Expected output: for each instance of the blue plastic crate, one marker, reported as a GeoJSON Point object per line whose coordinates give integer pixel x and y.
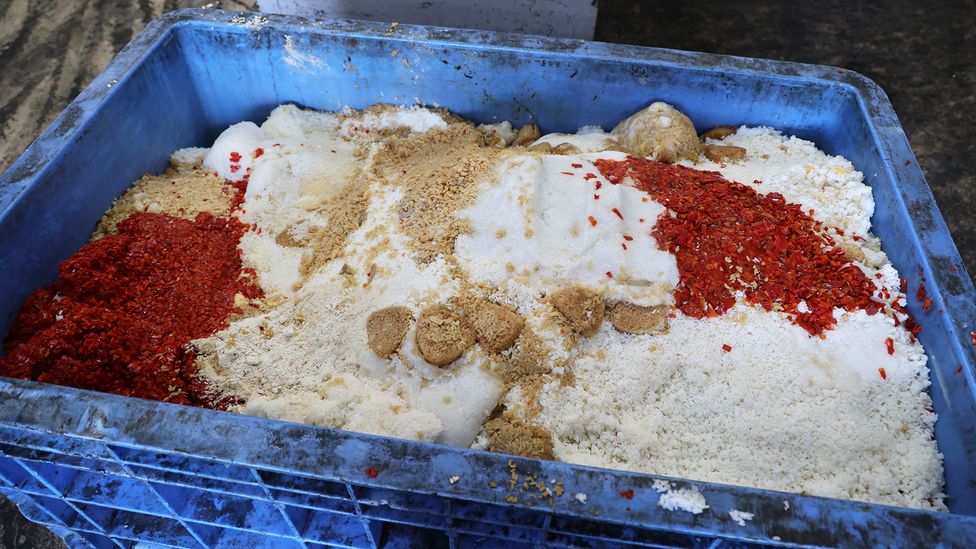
{"type": "Point", "coordinates": [108, 471]}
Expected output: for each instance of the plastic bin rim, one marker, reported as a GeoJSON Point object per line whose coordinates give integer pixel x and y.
{"type": "Point", "coordinates": [73, 119]}
{"type": "Point", "coordinates": [158, 426]}
{"type": "Point", "coordinates": [418, 467]}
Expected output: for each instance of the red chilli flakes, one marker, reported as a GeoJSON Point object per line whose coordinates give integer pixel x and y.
{"type": "Point", "coordinates": [726, 237]}
{"type": "Point", "coordinates": [126, 306]}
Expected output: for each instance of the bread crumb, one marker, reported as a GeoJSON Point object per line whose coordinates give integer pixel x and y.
{"type": "Point", "coordinates": [852, 250]}
{"type": "Point", "coordinates": [439, 172]}
{"type": "Point", "coordinates": [182, 193]}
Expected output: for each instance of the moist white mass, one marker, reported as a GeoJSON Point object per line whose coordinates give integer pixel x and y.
{"type": "Point", "coordinates": [588, 139]}
{"type": "Point", "coordinates": [557, 225]}
{"type": "Point", "coordinates": [416, 119]}
{"type": "Point", "coordinates": [295, 161]}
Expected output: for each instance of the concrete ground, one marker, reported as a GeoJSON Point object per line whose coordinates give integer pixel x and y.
{"type": "Point", "coordinates": [919, 52]}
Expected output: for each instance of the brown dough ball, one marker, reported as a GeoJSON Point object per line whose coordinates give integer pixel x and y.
{"type": "Point", "coordinates": [526, 135]}
{"type": "Point", "coordinates": [443, 335]}
{"type": "Point", "coordinates": [496, 327]}
{"type": "Point", "coordinates": [636, 319]}
{"type": "Point", "coordinates": [660, 132]}
{"type": "Point", "coordinates": [582, 308]}
{"type": "Point", "coordinates": [508, 434]}
{"type": "Point", "coordinates": [718, 132]}
{"type": "Point", "coordinates": [718, 153]}
{"type": "Point", "coordinates": [566, 148]}
{"type": "Point", "coordinates": [385, 329]}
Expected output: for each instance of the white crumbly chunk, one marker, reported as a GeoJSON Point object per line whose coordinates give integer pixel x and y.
{"type": "Point", "coordinates": [802, 173]}
{"type": "Point", "coordinates": [539, 220]}
{"type": "Point", "coordinates": [580, 497]}
{"type": "Point", "coordinates": [417, 119]}
{"type": "Point", "coordinates": [589, 139]}
{"type": "Point", "coordinates": [740, 516]}
{"type": "Point", "coordinates": [503, 130]}
{"type": "Point", "coordinates": [189, 157]}
{"type": "Point", "coordinates": [689, 500]}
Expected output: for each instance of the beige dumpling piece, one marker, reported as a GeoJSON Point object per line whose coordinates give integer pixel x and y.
{"type": "Point", "coordinates": [443, 335]}
{"type": "Point", "coordinates": [660, 132]}
{"type": "Point", "coordinates": [582, 308]}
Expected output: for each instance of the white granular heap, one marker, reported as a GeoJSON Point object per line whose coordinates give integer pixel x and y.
{"type": "Point", "coordinates": [294, 160]}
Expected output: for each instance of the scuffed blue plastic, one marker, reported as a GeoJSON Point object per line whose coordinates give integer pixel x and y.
{"type": "Point", "coordinates": [108, 471]}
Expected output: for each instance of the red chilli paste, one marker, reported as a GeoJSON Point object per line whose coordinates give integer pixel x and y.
{"type": "Point", "coordinates": [727, 237]}
{"type": "Point", "coordinates": [126, 306]}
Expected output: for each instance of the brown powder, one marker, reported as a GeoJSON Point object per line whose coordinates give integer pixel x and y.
{"type": "Point", "coordinates": [495, 326]}
{"type": "Point", "coordinates": [722, 153]}
{"type": "Point", "coordinates": [181, 193]}
{"type": "Point", "coordinates": [439, 172]}
{"type": "Point", "coordinates": [346, 211]}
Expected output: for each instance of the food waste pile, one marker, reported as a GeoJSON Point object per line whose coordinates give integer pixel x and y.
{"type": "Point", "coordinates": [710, 306]}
